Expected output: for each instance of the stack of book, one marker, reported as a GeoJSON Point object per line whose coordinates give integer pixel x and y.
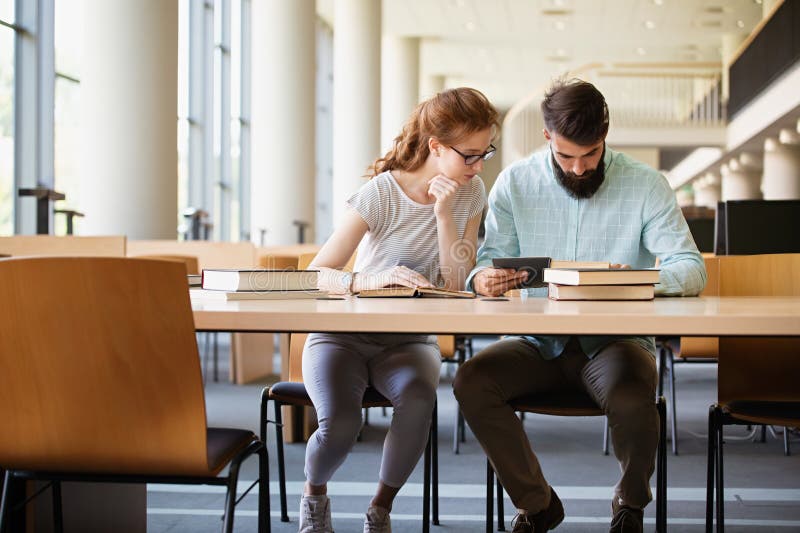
{"type": "Point", "coordinates": [601, 283]}
{"type": "Point", "coordinates": [258, 284]}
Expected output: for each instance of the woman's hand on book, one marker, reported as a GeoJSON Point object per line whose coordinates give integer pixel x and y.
{"type": "Point", "coordinates": [399, 275]}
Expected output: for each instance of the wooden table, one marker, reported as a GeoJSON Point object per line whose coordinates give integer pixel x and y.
{"type": "Point", "coordinates": [710, 315]}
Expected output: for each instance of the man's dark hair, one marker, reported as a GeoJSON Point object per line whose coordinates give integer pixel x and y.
{"type": "Point", "coordinates": [576, 110]}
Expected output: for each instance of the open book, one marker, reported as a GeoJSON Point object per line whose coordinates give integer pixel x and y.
{"type": "Point", "coordinates": [413, 292]}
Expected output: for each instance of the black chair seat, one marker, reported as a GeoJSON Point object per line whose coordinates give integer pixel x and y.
{"type": "Point", "coordinates": [561, 404]}
{"type": "Point", "coordinates": [296, 394]}
{"type": "Point", "coordinates": [785, 414]}
{"type": "Point", "coordinates": [224, 444]}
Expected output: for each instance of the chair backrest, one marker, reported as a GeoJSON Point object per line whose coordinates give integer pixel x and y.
{"type": "Point", "coordinates": [757, 368]}
{"type": "Point", "coordinates": [190, 261]}
{"type": "Point", "coordinates": [209, 254]}
{"type": "Point", "coordinates": [51, 245]}
{"type": "Point", "coordinates": [100, 367]}
{"type": "Point", "coordinates": [704, 347]}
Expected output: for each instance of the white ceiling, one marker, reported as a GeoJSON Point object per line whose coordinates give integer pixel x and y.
{"type": "Point", "coordinates": [510, 48]}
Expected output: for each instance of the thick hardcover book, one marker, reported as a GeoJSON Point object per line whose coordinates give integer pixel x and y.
{"type": "Point", "coordinates": [204, 294]}
{"type": "Point", "coordinates": [259, 280]}
{"type": "Point", "coordinates": [600, 292]}
{"type": "Point", "coordinates": [413, 292]}
{"type": "Point", "coordinates": [195, 280]}
{"type": "Point", "coordinates": [601, 276]}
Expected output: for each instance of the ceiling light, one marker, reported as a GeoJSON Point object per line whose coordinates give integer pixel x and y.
{"type": "Point", "coordinates": [470, 26]}
{"type": "Point", "coordinates": [649, 24]}
{"type": "Point", "coordinates": [740, 23]}
{"type": "Point", "coordinates": [658, 2]}
{"type": "Point", "coordinates": [641, 51]}
{"type": "Point", "coordinates": [560, 25]}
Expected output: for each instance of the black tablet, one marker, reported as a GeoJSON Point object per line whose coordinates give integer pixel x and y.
{"type": "Point", "coordinates": [534, 266]}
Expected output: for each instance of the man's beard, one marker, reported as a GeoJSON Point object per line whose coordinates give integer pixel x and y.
{"type": "Point", "coordinates": [583, 186]}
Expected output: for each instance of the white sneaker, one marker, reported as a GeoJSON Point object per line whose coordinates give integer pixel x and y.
{"type": "Point", "coordinates": [315, 514]}
{"type": "Point", "coordinates": [377, 521]}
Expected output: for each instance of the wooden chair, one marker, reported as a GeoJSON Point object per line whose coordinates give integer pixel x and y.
{"type": "Point", "coordinates": [757, 380]}
{"type": "Point", "coordinates": [101, 381]}
{"type": "Point", "coordinates": [580, 404]}
{"type": "Point", "coordinates": [190, 261]}
{"type": "Point", "coordinates": [672, 350]}
{"type": "Point", "coordinates": [294, 393]}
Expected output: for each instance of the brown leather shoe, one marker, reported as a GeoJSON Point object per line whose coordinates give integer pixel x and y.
{"type": "Point", "coordinates": [626, 519]}
{"type": "Point", "coordinates": [541, 521]}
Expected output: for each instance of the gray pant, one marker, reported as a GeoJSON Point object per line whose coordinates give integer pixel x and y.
{"type": "Point", "coordinates": [621, 378]}
{"type": "Point", "coordinates": [337, 369]}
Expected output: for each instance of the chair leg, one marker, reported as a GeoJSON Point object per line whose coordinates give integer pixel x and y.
{"type": "Point", "coordinates": [720, 482]}
{"type": "Point", "coordinates": [58, 514]}
{"type": "Point", "coordinates": [281, 465]}
{"type": "Point", "coordinates": [501, 519]}
{"type": "Point", "coordinates": [710, 468]}
{"type": "Point", "coordinates": [426, 488]}
{"type": "Point", "coordinates": [489, 497]}
{"type": "Point", "coordinates": [264, 522]}
{"type": "Point", "coordinates": [605, 435]}
{"type": "Point", "coordinates": [661, 468]}
{"type": "Point", "coordinates": [230, 496]}
{"type": "Point", "coordinates": [786, 450]}
{"type": "Point", "coordinates": [4, 503]}
{"type": "Point", "coordinates": [435, 462]}
{"type": "Point", "coordinates": [673, 410]}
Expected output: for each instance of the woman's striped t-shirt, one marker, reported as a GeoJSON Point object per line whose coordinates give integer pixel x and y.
{"type": "Point", "coordinates": [402, 231]}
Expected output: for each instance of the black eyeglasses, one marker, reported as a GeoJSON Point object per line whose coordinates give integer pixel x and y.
{"type": "Point", "coordinates": [470, 160]}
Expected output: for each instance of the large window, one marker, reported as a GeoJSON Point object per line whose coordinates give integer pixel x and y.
{"type": "Point", "coordinates": [212, 120]}
{"type": "Point", "coordinates": [6, 118]}
{"type": "Point", "coordinates": [66, 126]}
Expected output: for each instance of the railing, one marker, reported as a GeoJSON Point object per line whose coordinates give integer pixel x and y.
{"type": "Point", "coordinates": [635, 99]}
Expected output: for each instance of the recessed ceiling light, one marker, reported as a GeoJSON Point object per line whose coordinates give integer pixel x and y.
{"type": "Point", "coordinates": [560, 25]}
{"type": "Point", "coordinates": [658, 2]}
{"type": "Point", "coordinates": [470, 26]}
{"type": "Point", "coordinates": [649, 24]}
{"type": "Point", "coordinates": [641, 51]}
{"type": "Point", "coordinates": [740, 23]}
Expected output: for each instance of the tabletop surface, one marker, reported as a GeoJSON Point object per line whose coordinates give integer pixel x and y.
{"type": "Point", "coordinates": [777, 316]}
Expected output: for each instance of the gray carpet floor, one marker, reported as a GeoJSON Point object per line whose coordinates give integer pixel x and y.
{"type": "Point", "coordinates": [762, 485]}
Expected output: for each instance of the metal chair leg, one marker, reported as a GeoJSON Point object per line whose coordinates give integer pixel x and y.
{"type": "Point", "coordinates": [489, 497]}
{"type": "Point", "coordinates": [710, 469]}
{"type": "Point", "coordinates": [264, 522]}
{"type": "Point", "coordinates": [786, 450]}
{"type": "Point", "coordinates": [673, 405]}
{"type": "Point", "coordinates": [435, 462]}
{"type": "Point", "coordinates": [281, 465]}
{"type": "Point", "coordinates": [5, 505]}
{"type": "Point", "coordinates": [426, 488]}
{"type": "Point", "coordinates": [605, 435]}
{"type": "Point", "coordinates": [720, 481]}
{"type": "Point", "coordinates": [230, 497]}
{"type": "Point", "coordinates": [501, 518]}
{"type": "Point", "coordinates": [58, 513]}
{"type": "Point", "coordinates": [661, 468]}
{"type": "Point", "coordinates": [216, 358]}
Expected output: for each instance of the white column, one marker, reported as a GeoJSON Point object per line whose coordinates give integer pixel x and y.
{"type": "Point", "coordinates": [356, 95]}
{"type": "Point", "coordinates": [283, 107]}
{"type": "Point", "coordinates": [430, 85]}
{"type": "Point", "coordinates": [707, 191]}
{"type": "Point", "coordinates": [129, 93]}
{"type": "Point", "coordinates": [399, 84]}
{"type": "Point", "coordinates": [781, 179]}
{"type": "Point", "coordinates": [740, 182]}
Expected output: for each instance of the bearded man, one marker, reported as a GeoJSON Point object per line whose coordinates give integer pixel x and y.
{"type": "Point", "coordinates": [575, 200]}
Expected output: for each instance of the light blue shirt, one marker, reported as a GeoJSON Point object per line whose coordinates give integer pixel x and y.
{"type": "Point", "coordinates": [632, 219]}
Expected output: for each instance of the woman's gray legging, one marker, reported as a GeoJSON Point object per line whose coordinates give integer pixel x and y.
{"type": "Point", "coordinates": [337, 369]}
